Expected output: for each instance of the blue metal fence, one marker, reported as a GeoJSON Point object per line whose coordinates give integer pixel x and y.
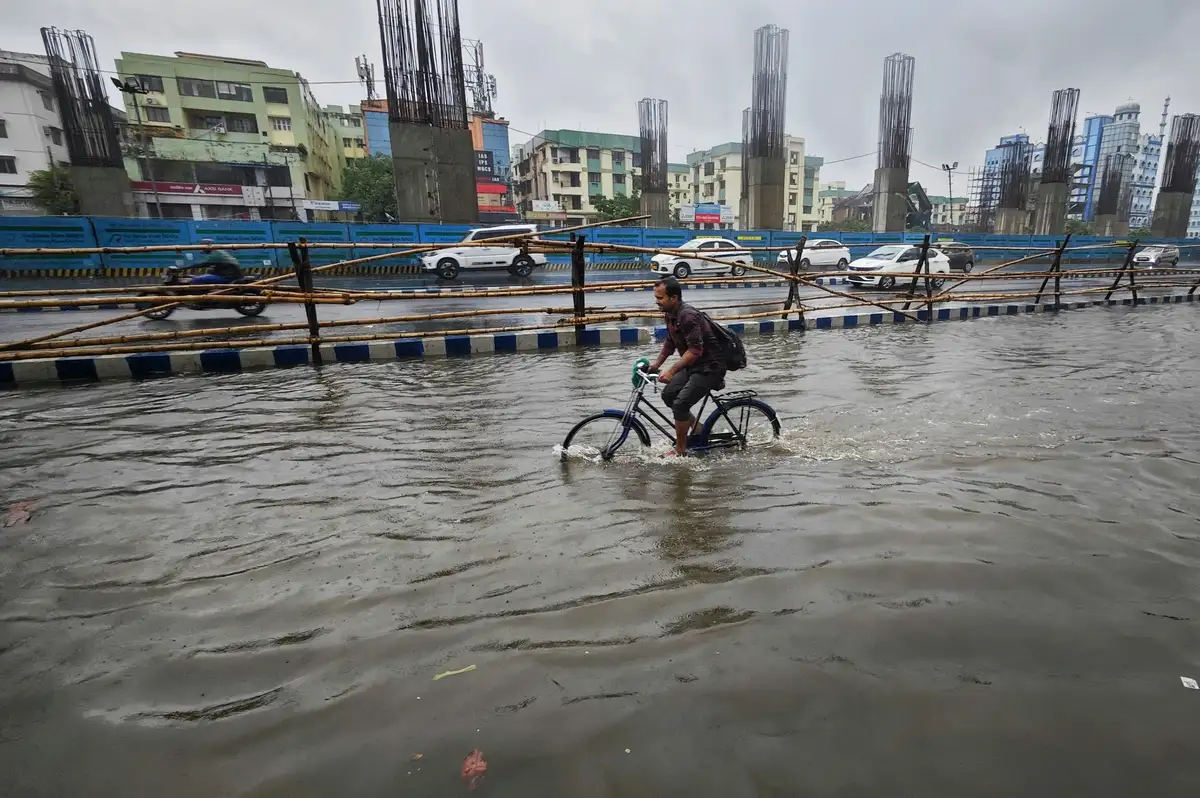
{"type": "Point", "coordinates": [63, 232]}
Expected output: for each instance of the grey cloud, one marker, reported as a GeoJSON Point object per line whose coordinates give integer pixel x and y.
{"type": "Point", "coordinates": [984, 69]}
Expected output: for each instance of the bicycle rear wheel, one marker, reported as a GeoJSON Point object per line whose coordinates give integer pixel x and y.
{"type": "Point", "coordinates": [755, 420]}
{"type": "Point", "coordinates": [605, 436]}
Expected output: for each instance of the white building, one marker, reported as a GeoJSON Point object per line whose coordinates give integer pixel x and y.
{"type": "Point", "coordinates": [1193, 229]}
{"type": "Point", "coordinates": [30, 128]}
{"type": "Point", "coordinates": [1145, 180]}
{"type": "Point", "coordinates": [948, 211]}
{"type": "Point", "coordinates": [558, 172]}
{"type": "Point", "coordinates": [679, 184]}
{"type": "Point", "coordinates": [717, 175]}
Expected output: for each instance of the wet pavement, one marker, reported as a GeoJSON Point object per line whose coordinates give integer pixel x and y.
{"type": "Point", "coordinates": [245, 585]}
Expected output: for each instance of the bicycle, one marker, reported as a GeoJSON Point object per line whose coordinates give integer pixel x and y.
{"type": "Point", "coordinates": [756, 424]}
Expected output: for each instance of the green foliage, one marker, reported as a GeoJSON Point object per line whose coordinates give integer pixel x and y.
{"type": "Point", "coordinates": [1077, 228]}
{"type": "Point", "coordinates": [1140, 233]}
{"type": "Point", "coordinates": [848, 226]}
{"type": "Point", "coordinates": [54, 191]}
{"type": "Point", "coordinates": [372, 184]}
{"type": "Point", "coordinates": [618, 207]}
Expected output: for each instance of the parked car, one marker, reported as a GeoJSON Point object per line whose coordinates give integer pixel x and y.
{"type": "Point", "coordinates": [962, 257]}
{"type": "Point", "coordinates": [448, 263]}
{"type": "Point", "coordinates": [734, 259]}
{"type": "Point", "coordinates": [1158, 255]}
{"type": "Point", "coordinates": [878, 268]}
{"type": "Point", "coordinates": [819, 252]}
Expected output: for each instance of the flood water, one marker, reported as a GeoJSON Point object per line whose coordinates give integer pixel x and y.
{"type": "Point", "coordinates": [246, 585]}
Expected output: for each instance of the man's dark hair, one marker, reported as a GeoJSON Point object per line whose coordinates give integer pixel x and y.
{"type": "Point", "coordinates": [671, 286]}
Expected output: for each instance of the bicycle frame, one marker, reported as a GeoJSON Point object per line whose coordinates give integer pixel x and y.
{"type": "Point", "coordinates": [638, 404]}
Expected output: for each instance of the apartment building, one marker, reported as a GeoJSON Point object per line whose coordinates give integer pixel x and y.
{"type": "Point", "coordinates": [228, 138]}
{"type": "Point", "coordinates": [557, 172]}
{"type": "Point", "coordinates": [717, 175]}
{"type": "Point", "coordinates": [679, 185]}
{"type": "Point", "coordinates": [349, 132]}
{"type": "Point", "coordinates": [31, 131]}
{"type": "Point", "coordinates": [828, 195]}
{"type": "Point", "coordinates": [948, 211]}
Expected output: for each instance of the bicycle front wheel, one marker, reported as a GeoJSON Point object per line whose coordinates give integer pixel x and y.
{"type": "Point", "coordinates": [604, 436]}
{"type": "Point", "coordinates": [749, 419]}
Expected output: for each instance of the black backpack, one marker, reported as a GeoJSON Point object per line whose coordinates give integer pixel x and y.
{"type": "Point", "coordinates": [733, 353]}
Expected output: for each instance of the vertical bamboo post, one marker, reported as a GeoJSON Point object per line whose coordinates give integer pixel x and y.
{"type": "Point", "coordinates": [794, 285]}
{"type": "Point", "coordinates": [1055, 272]}
{"type": "Point", "coordinates": [922, 264]}
{"type": "Point", "coordinates": [1121, 274]}
{"type": "Point", "coordinates": [303, 269]}
{"type": "Point", "coordinates": [577, 282]}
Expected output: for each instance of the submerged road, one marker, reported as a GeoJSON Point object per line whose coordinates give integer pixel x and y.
{"type": "Point", "coordinates": [967, 569]}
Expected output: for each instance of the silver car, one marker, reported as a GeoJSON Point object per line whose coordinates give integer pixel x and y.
{"type": "Point", "coordinates": [1158, 255]}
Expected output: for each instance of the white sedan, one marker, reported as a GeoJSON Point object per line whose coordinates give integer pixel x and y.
{"type": "Point", "coordinates": [734, 259]}
{"type": "Point", "coordinates": [447, 263]}
{"type": "Point", "coordinates": [879, 267]}
{"type": "Point", "coordinates": [819, 252]}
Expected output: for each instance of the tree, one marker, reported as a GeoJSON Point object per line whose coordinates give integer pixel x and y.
{"type": "Point", "coordinates": [1078, 228]}
{"type": "Point", "coordinates": [847, 226]}
{"type": "Point", "coordinates": [619, 207]}
{"type": "Point", "coordinates": [675, 218]}
{"type": "Point", "coordinates": [1140, 233]}
{"type": "Point", "coordinates": [372, 184]}
{"type": "Point", "coordinates": [54, 190]}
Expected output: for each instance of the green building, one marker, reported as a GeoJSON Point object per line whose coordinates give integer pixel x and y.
{"type": "Point", "coordinates": [349, 137]}
{"type": "Point", "coordinates": [227, 138]}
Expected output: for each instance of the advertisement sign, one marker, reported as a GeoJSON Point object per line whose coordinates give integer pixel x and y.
{"type": "Point", "coordinates": [545, 206]}
{"type": "Point", "coordinates": [485, 167]}
{"type": "Point", "coordinates": [351, 207]}
{"type": "Point", "coordinates": [209, 189]}
{"type": "Point", "coordinates": [706, 213]}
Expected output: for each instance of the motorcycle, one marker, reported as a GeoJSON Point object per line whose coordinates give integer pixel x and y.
{"type": "Point", "coordinates": [176, 276]}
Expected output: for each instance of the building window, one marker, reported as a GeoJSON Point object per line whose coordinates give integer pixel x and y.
{"type": "Point", "coordinates": [242, 123]}
{"type": "Point", "coordinates": [8, 165]}
{"type": "Point", "coordinates": [593, 153]}
{"type": "Point", "coordinates": [273, 94]}
{"type": "Point", "coordinates": [356, 121]}
{"type": "Point", "coordinates": [346, 143]}
{"type": "Point", "coordinates": [594, 178]}
{"type": "Point", "coordinates": [47, 100]}
{"type": "Point", "coordinates": [709, 168]}
{"type": "Point", "coordinates": [151, 82]}
{"type": "Point", "coordinates": [190, 87]}
{"type": "Point", "coordinates": [158, 115]}
{"type": "Point", "coordinates": [359, 143]}
{"type": "Point", "coordinates": [56, 136]}
{"type": "Point", "coordinates": [280, 122]}
{"type": "Point", "coordinates": [234, 91]}
{"type": "Point", "coordinates": [722, 164]}
{"type": "Point", "coordinates": [618, 157]}
{"type": "Point", "coordinates": [3, 129]}
{"type": "Point", "coordinates": [792, 198]}
{"type": "Point", "coordinates": [618, 180]}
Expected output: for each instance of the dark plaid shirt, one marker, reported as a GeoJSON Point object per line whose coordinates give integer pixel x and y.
{"type": "Point", "coordinates": [688, 331]}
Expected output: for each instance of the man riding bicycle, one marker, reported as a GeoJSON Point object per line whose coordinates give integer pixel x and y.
{"type": "Point", "coordinates": [698, 370]}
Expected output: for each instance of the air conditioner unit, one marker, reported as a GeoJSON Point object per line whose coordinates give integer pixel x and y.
{"type": "Point", "coordinates": [151, 101]}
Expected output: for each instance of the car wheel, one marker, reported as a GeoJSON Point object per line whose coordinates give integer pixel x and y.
{"type": "Point", "coordinates": [447, 268]}
{"type": "Point", "coordinates": [682, 270]}
{"type": "Point", "coordinates": [804, 264]}
{"type": "Point", "coordinates": [842, 264]}
{"type": "Point", "coordinates": [1175, 263]}
{"type": "Point", "coordinates": [738, 269]}
{"type": "Point", "coordinates": [887, 282]}
{"type": "Point", "coordinates": [936, 283]}
{"type": "Point", "coordinates": [967, 267]}
{"type": "Point", "coordinates": [522, 266]}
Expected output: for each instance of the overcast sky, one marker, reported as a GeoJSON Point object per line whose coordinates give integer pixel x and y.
{"type": "Point", "coordinates": [983, 68]}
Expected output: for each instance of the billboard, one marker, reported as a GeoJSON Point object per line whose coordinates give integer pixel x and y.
{"type": "Point", "coordinates": [485, 167]}
{"type": "Point", "coordinates": [706, 213]}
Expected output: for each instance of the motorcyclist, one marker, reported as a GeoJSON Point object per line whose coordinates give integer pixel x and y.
{"type": "Point", "coordinates": [222, 268]}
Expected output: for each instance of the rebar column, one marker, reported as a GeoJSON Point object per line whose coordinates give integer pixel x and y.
{"type": "Point", "coordinates": [895, 144]}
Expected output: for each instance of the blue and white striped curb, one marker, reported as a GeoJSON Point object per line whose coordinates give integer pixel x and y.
{"type": "Point", "coordinates": [66, 371]}
{"type": "Point", "coordinates": [471, 289]}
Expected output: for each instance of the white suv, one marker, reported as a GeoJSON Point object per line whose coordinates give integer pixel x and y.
{"type": "Point", "coordinates": [819, 252]}
{"type": "Point", "coordinates": [447, 263]}
{"type": "Point", "coordinates": [735, 259]}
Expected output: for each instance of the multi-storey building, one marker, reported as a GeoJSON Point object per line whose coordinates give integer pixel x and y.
{"type": "Point", "coordinates": [226, 138]}
{"type": "Point", "coordinates": [558, 172]}
{"type": "Point", "coordinates": [349, 134]}
{"type": "Point", "coordinates": [31, 134]}
{"type": "Point", "coordinates": [493, 168]}
{"type": "Point", "coordinates": [717, 176]}
{"type": "Point", "coordinates": [948, 211]}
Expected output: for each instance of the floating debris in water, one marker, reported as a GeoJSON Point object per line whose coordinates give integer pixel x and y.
{"type": "Point", "coordinates": [473, 768]}
{"type": "Point", "coordinates": [467, 669]}
{"type": "Point", "coordinates": [1189, 683]}
{"type": "Point", "coordinates": [19, 512]}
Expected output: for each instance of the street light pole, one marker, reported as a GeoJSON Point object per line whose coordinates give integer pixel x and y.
{"type": "Point", "coordinates": [133, 89]}
{"type": "Point", "coordinates": [950, 167]}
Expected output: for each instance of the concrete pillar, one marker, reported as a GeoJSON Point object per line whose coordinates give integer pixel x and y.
{"type": "Point", "coordinates": [1109, 224]}
{"type": "Point", "coordinates": [103, 191]}
{"type": "Point", "coordinates": [1171, 213]}
{"type": "Point", "coordinates": [1050, 212]}
{"type": "Point", "coordinates": [658, 205]}
{"type": "Point", "coordinates": [1012, 222]}
{"type": "Point", "coordinates": [891, 200]}
{"type": "Point", "coordinates": [435, 174]}
{"type": "Point", "coordinates": [765, 193]}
